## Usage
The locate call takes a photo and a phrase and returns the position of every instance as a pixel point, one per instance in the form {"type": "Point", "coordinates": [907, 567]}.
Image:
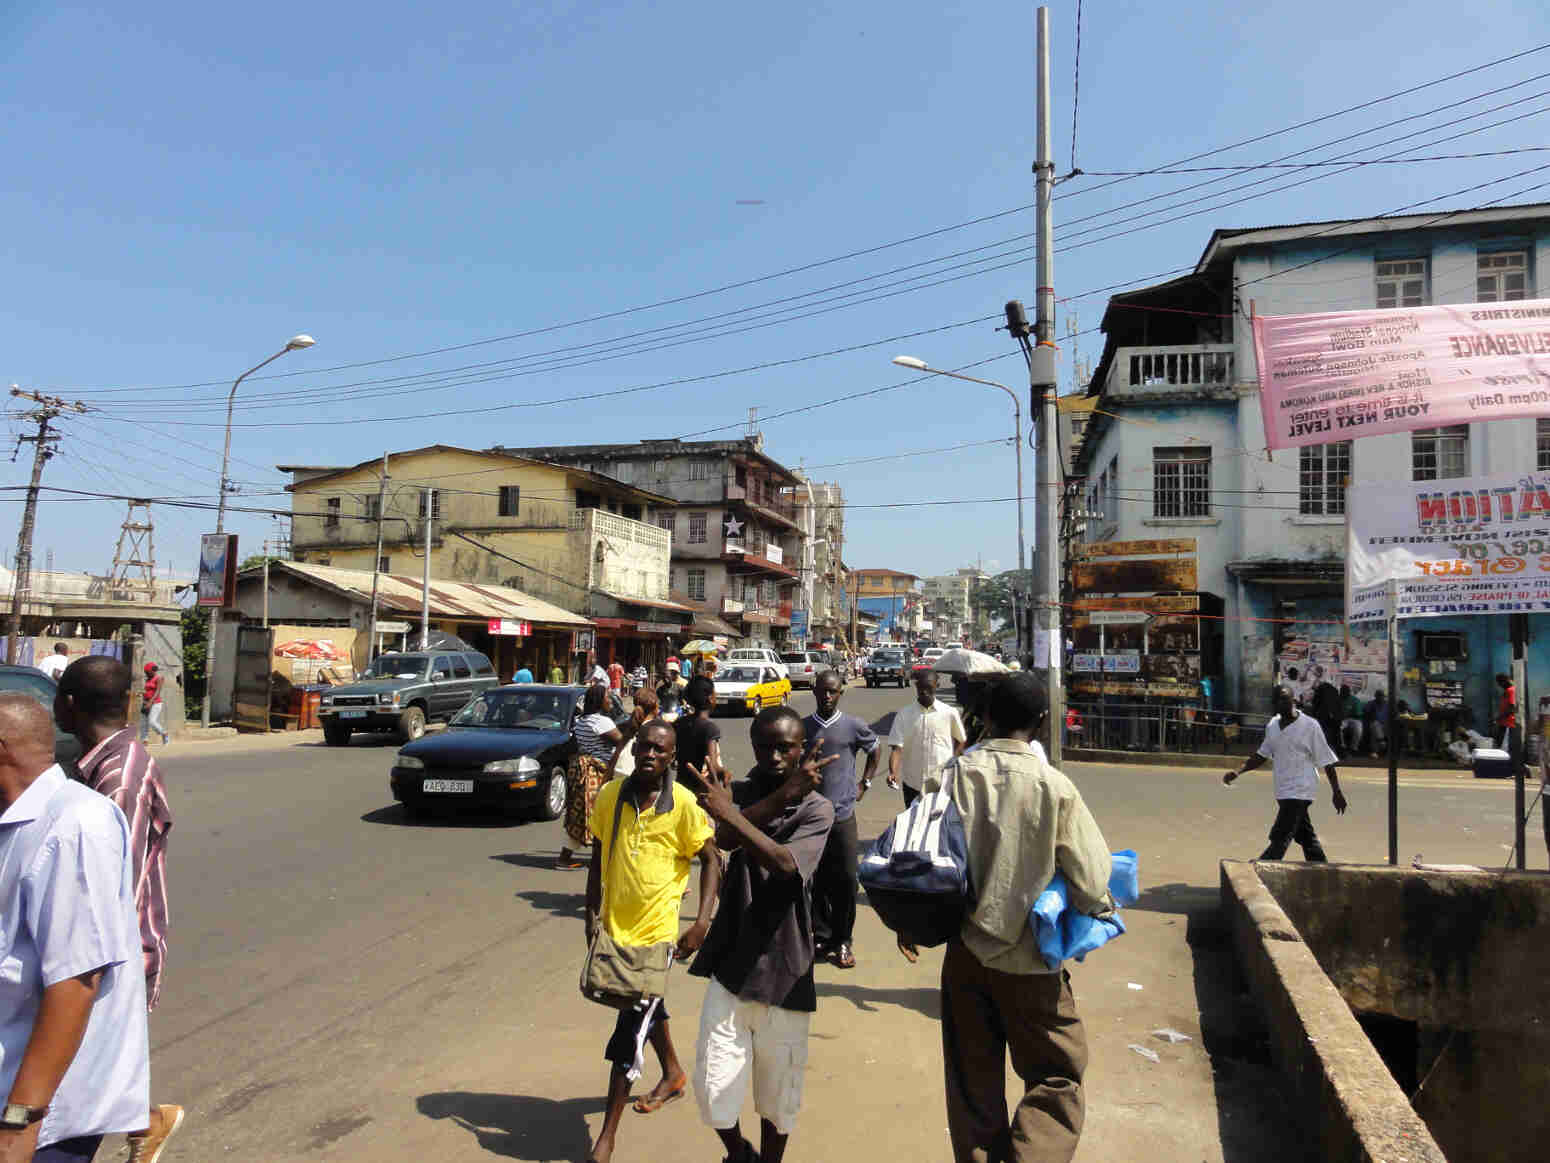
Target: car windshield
{"type": "Point", "coordinates": [516, 710]}
{"type": "Point", "coordinates": [739, 674]}
{"type": "Point", "coordinates": [397, 666]}
{"type": "Point", "coordinates": [794, 658]}
{"type": "Point", "coordinates": [39, 686]}
{"type": "Point", "coordinates": [886, 656]}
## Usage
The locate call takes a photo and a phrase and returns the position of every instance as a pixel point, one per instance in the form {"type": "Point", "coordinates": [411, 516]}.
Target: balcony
{"type": "Point", "coordinates": [764, 499]}
{"type": "Point", "coordinates": [767, 558]}
{"type": "Point", "coordinates": [1197, 370]}
{"type": "Point", "coordinates": [766, 613]}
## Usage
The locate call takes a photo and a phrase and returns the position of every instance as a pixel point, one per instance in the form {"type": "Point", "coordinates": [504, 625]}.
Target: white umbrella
{"type": "Point", "coordinates": [969, 663]}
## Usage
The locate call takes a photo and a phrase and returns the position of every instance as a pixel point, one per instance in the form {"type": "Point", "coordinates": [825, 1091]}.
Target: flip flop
{"type": "Point", "coordinates": [563, 863]}
{"type": "Point", "coordinates": [645, 1105]}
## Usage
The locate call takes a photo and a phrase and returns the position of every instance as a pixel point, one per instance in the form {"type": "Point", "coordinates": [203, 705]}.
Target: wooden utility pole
{"type": "Point", "coordinates": [42, 441]}
{"type": "Point", "coordinates": [376, 563]}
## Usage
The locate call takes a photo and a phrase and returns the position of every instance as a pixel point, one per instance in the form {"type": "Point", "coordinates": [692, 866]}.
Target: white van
{"type": "Point", "coordinates": [762, 655]}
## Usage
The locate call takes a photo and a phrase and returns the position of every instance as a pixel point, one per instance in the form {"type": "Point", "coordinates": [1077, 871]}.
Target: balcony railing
{"type": "Point", "coordinates": [1143, 371]}
{"type": "Point", "coordinates": [761, 495]}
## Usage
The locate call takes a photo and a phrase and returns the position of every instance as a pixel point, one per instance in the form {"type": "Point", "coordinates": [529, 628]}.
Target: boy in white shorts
{"type": "Point", "coordinates": [759, 952]}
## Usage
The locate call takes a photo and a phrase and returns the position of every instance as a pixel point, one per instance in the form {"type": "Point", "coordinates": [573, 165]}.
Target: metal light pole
{"type": "Point", "coordinates": [295, 343]}
{"type": "Point", "coordinates": [429, 496]}
{"type": "Point", "coordinates": [920, 365]}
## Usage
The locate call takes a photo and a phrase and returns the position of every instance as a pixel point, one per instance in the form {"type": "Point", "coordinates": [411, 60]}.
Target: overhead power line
{"type": "Point", "coordinates": [1397, 161]}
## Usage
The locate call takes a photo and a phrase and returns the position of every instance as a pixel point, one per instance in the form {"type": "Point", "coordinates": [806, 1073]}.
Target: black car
{"type": "Point", "coordinates": [403, 692]}
{"type": "Point", "coordinates": [886, 666]}
{"type": "Point", "coordinates": [507, 749]}
{"type": "Point", "coordinates": [29, 680]}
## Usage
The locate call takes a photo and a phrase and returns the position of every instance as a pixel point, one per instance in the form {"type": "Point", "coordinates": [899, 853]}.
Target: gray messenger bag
{"type": "Point", "coordinates": [617, 975]}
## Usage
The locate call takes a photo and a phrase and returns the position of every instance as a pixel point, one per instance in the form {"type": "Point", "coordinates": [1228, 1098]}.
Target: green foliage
{"type": "Point", "coordinates": [992, 598]}
{"type": "Point", "coordinates": [256, 559]}
{"type": "Point", "coordinates": [196, 637]}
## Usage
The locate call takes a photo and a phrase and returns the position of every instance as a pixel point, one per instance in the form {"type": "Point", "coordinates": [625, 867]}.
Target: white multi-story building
{"type": "Point", "coordinates": [1178, 448]}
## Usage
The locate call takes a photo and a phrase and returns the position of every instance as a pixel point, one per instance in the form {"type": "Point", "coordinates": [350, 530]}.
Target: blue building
{"type": "Point", "coordinates": [1181, 453]}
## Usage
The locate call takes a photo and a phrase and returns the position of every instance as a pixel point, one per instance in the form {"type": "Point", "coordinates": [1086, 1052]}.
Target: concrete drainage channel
{"type": "Point", "coordinates": [1406, 1009]}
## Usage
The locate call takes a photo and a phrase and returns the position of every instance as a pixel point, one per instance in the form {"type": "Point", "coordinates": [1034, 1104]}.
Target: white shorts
{"type": "Point", "coordinates": [743, 1038]}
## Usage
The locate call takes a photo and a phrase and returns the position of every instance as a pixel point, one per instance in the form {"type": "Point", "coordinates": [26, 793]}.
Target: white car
{"type": "Point", "coordinates": [757, 655]}
{"type": "Point", "coordinates": [955, 646]}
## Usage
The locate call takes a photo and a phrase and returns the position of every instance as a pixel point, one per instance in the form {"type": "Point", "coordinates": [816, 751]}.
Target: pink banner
{"type": "Point", "coordinates": [1340, 375]}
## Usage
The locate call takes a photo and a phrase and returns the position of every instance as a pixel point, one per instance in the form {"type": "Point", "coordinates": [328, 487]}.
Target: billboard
{"type": "Point", "coordinates": [217, 569]}
{"type": "Point", "coordinates": [1337, 375]}
{"type": "Point", "coordinates": [1478, 545]}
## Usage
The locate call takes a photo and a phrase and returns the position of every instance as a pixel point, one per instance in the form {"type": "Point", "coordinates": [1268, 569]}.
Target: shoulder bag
{"type": "Point", "coordinates": [614, 974]}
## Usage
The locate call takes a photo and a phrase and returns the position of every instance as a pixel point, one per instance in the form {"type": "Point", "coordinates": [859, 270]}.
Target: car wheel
{"type": "Point", "coordinates": [336, 734]}
{"type": "Point", "coordinates": [411, 724]}
{"type": "Point", "coordinates": [554, 795]}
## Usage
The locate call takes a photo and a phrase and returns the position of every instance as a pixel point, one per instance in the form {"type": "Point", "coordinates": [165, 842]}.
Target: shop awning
{"type": "Point", "coordinates": [654, 603]}
{"type": "Point", "coordinates": [708, 626]}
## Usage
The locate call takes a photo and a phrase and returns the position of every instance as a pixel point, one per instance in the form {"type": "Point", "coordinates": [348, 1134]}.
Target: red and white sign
{"type": "Point", "coordinates": [1339, 375]}
{"type": "Point", "coordinates": [506, 628]}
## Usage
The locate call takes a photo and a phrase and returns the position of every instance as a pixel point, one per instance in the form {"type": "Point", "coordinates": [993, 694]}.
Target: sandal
{"type": "Point", "coordinates": [645, 1104]}
{"type": "Point", "coordinates": [565, 863]}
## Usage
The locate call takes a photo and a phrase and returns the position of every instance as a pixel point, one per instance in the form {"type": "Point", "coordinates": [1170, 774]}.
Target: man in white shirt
{"type": "Point", "coordinates": [925, 735]}
{"type": "Point", "coordinates": [74, 1052]}
{"type": "Point", "coordinates": [1296, 747]}
{"type": "Point", "coordinates": [54, 665]}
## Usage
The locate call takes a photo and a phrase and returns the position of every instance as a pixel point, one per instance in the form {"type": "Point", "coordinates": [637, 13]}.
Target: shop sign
{"type": "Point", "coordinates": [1117, 618]}
{"type": "Point", "coordinates": [506, 628]}
{"type": "Point", "coordinates": [584, 641]}
{"type": "Point", "coordinates": [659, 627]}
{"type": "Point", "coordinates": [392, 627]}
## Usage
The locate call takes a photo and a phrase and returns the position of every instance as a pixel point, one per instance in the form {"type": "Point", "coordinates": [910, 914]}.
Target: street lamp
{"type": "Point", "coordinates": [920, 365]}
{"type": "Point", "coordinates": [294, 343]}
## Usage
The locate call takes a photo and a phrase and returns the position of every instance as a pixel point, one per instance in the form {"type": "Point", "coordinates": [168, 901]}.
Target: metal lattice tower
{"type": "Point", "coordinates": [134, 560]}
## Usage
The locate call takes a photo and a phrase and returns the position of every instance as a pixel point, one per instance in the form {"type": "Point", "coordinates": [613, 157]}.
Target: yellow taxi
{"type": "Point", "coordinates": [751, 686]}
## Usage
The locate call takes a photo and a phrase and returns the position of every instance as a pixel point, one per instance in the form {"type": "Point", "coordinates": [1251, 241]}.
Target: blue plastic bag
{"type": "Point", "coordinates": [1062, 933]}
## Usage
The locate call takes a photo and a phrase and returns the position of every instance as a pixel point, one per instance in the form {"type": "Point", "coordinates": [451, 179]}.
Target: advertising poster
{"type": "Point", "coordinates": [217, 569]}
{"type": "Point", "coordinates": [1478, 545]}
{"type": "Point", "coordinates": [1338, 375]}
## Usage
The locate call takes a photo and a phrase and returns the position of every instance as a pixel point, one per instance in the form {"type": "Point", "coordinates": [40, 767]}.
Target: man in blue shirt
{"type": "Point", "coordinates": [834, 884]}
{"type": "Point", "coordinates": [523, 673]}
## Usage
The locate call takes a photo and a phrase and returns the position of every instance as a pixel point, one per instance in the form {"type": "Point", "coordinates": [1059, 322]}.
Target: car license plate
{"type": "Point", "coordinates": [352, 714]}
{"type": "Point", "coordinates": [465, 786]}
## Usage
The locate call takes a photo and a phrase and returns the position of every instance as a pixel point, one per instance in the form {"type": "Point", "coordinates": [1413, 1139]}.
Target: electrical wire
{"type": "Point", "coordinates": [1438, 157]}
{"type": "Point", "coordinates": [1076, 86]}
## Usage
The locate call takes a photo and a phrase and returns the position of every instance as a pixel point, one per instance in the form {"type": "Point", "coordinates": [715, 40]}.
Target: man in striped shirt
{"type": "Point", "coordinates": [92, 704]}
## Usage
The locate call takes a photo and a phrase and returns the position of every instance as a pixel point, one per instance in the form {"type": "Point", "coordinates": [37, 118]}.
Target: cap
{"type": "Point", "coordinates": [150, 668]}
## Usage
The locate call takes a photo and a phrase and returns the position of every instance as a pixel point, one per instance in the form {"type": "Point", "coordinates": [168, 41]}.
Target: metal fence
{"type": "Point", "coordinates": [1146, 727]}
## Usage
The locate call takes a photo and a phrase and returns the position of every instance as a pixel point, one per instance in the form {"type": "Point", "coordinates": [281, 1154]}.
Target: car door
{"type": "Point", "coordinates": [444, 698]}
{"type": "Point", "coordinates": [484, 672]}
{"type": "Point", "coordinates": [462, 681]}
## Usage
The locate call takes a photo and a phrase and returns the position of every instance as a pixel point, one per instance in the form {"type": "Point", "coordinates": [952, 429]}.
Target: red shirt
{"type": "Point", "coordinates": [153, 690]}
{"type": "Point", "coordinates": [1507, 714]}
{"type": "Point", "coordinates": [615, 675]}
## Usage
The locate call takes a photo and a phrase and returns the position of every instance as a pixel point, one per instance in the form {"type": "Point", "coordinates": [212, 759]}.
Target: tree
{"type": "Point", "coordinates": [196, 637]}
{"type": "Point", "coordinates": [992, 596]}
{"type": "Point", "coordinates": [257, 559]}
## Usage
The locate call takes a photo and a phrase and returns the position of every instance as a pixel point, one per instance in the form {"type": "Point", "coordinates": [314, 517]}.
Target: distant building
{"type": "Point", "coordinates": [821, 509]}
{"type": "Point", "coordinates": [949, 601]}
{"type": "Point", "coordinates": [890, 595]}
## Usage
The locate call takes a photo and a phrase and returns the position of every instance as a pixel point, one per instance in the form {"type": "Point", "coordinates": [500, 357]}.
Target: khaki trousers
{"type": "Point", "coordinates": [985, 1014]}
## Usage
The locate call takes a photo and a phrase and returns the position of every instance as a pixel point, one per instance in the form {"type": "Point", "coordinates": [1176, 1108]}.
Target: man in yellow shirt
{"type": "Point", "coordinates": [636, 893]}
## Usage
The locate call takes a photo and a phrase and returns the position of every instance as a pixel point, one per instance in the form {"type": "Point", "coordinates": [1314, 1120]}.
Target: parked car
{"type": "Point", "coordinates": [761, 655]}
{"type": "Point", "coordinates": [886, 666]}
{"type": "Point", "coordinates": [29, 680]}
{"type": "Point", "coordinates": [403, 692]}
{"type": "Point", "coordinates": [804, 666]}
{"type": "Point", "coordinates": [751, 687]}
{"type": "Point", "coordinates": [506, 749]}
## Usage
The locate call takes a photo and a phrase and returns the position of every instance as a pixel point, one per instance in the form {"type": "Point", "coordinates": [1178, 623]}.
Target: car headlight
{"type": "Point", "coordinates": [384, 699]}
{"type": "Point", "coordinates": [328, 700]}
{"type": "Point", "coordinates": [411, 762]}
{"type": "Point", "coordinates": [527, 765]}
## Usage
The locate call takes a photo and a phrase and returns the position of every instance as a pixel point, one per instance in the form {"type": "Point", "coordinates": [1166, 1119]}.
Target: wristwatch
{"type": "Point", "coordinates": [16, 1117]}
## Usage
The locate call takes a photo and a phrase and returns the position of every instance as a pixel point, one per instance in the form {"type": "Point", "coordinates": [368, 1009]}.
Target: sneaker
{"type": "Point", "coordinates": [165, 1121]}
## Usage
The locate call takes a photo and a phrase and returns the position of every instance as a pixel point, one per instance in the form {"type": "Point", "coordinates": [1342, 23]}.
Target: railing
{"type": "Point", "coordinates": [731, 606]}
{"type": "Point", "coordinates": [1144, 370]}
{"type": "Point", "coordinates": [1138, 727]}
{"type": "Point", "coordinates": [762, 495]}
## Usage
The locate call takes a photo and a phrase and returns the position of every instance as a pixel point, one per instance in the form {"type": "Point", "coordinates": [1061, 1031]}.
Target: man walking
{"type": "Point", "coordinates": [1295, 744]}
{"type": "Point", "coordinates": [93, 705]}
{"type": "Point", "coordinates": [74, 1056]}
{"type": "Point", "coordinates": [54, 665]}
{"type": "Point", "coordinates": [1507, 716]}
{"type": "Point", "coordinates": [151, 707]}
{"type": "Point", "coordinates": [616, 676]}
{"type": "Point", "coordinates": [1023, 821]}
{"type": "Point", "coordinates": [925, 735]}
{"type": "Point", "coordinates": [759, 953]}
{"type": "Point", "coordinates": [834, 886]}
{"type": "Point", "coordinates": [523, 673]}
{"type": "Point", "coordinates": [638, 877]}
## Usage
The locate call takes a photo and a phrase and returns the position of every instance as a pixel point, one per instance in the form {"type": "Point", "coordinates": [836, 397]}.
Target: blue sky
{"type": "Point", "coordinates": [189, 185]}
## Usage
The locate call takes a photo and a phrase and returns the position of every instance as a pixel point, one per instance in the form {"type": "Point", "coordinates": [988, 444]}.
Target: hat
{"type": "Point", "coordinates": [1014, 665]}
{"type": "Point", "coordinates": [150, 668]}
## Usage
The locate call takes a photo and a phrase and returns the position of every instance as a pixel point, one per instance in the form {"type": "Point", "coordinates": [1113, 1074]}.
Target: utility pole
{"type": "Point", "coordinates": [376, 564]}
{"type": "Point", "coordinates": [1041, 376]}
{"type": "Point", "coordinates": [266, 585]}
{"type": "Point", "coordinates": [42, 441]}
{"type": "Point", "coordinates": [425, 592]}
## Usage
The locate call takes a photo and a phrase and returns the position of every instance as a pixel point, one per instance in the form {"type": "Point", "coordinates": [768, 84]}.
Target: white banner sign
{"type": "Point", "coordinates": [1471, 546]}
{"type": "Point", "coordinates": [1343, 374]}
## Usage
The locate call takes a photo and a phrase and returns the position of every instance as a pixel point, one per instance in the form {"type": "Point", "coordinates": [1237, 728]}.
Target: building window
{"type": "Point", "coordinates": [331, 513]}
{"type": "Point", "coordinates": [1439, 454]}
{"type": "Point", "coordinates": [1402, 283]}
{"type": "Point", "coordinates": [624, 472]}
{"type": "Point", "coordinates": [633, 512]}
{"type": "Point", "coordinates": [696, 528]}
{"type": "Point", "coordinates": [1542, 445]}
{"type": "Point", "coordinates": [669, 522]}
{"type": "Point", "coordinates": [371, 508]}
{"type": "Point", "coordinates": [659, 470]}
{"type": "Point", "coordinates": [696, 585]}
{"type": "Point", "coordinates": [1322, 473]}
{"type": "Point", "coordinates": [586, 499]}
{"type": "Point", "coordinates": [1502, 277]}
{"type": "Point", "coordinates": [699, 470]}
{"type": "Point", "coordinates": [384, 565]}
{"type": "Point", "coordinates": [1181, 482]}
{"type": "Point", "coordinates": [511, 500]}
{"type": "Point", "coordinates": [435, 496]}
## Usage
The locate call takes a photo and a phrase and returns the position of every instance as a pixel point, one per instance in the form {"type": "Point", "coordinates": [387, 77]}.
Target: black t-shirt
{"type": "Point", "coordinates": [695, 735]}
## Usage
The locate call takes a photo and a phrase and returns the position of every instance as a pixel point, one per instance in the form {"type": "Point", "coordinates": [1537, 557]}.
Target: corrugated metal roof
{"type": "Point", "coordinates": [448, 599]}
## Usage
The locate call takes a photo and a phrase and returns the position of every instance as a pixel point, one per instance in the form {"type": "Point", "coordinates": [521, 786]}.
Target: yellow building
{"type": "Point", "coordinates": [573, 538]}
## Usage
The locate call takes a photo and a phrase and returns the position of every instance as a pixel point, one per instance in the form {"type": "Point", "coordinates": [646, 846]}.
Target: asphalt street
{"type": "Point", "coordinates": [346, 983]}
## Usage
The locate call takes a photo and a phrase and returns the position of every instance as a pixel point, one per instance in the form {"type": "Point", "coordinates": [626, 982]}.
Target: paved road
{"type": "Point", "coordinates": [344, 983]}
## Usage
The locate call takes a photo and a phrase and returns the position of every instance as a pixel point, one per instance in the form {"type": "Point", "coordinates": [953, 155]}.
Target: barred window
{"type": "Point", "coordinates": [1402, 283]}
{"type": "Point", "coordinates": [331, 512]}
{"type": "Point", "coordinates": [371, 507]}
{"type": "Point", "coordinates": [1322, 473]}
{"type": "Point", "coordinates": [669, 522]}
{"type": "Point", "coordinates": [1438, 454]}
{"type": "Point", "coordinates": [1181, 482]}
{"type": "Point", "coordinates": [696, 528]}
{"type": "Point", "coordinates": [510, 500]}
{"type": "Point", "coordinates": [699, 470]}
{"type": "Point", "coordinates": [1501, 277]}
{"type": "Point", "coordinates": [435, 497]}
{"type": "Point", "coordinates": [696, 586]}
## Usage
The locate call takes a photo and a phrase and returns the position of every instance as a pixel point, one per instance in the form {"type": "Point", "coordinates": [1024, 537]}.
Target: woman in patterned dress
{"type": "Point", "coordinates": [598, 740]}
